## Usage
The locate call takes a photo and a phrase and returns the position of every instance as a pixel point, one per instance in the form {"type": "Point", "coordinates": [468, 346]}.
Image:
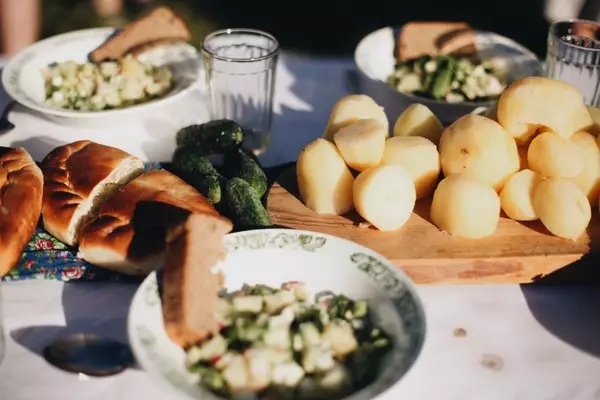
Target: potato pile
{"type": "Point", "coordinates": [389, 174]}
{"type": "Point", "coordinates": [534, 156]}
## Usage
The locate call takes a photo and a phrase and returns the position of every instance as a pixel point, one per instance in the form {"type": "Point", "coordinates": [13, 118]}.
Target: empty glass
{"type": "Point", "coordinates": [574, 56]}
{"type": "Point", "coordinates": [240, 74]}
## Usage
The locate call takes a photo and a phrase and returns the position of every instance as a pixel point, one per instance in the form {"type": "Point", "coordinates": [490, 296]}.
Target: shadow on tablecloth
{"type": "Point", "coordinates": [100, 308]}
{"type": "Point", "coordinates": [569, 312]}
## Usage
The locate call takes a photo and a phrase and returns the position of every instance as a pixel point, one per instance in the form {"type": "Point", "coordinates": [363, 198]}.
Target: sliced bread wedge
{"type": "Point", "coordinates": [128, 235]}
{"type": "Point", "coordinates": [159, 26]}
{"type": "Point", "coordinates": [191, 280]}
{"type": "Point", "coordinates": [434, 38]}
{"type": "Point", "coordinates": [78, 177]}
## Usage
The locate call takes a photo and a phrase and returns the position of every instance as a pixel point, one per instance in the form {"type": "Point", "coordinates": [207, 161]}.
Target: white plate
{"type": "Point", "coordinates": [22, 76]}
{"type": "Point", "coordinates": [274, 256]}
{"type": "Point", "coordinates": [375, 59]}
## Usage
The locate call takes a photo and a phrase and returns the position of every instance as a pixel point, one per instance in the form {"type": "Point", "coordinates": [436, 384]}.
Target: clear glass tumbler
{"type": "Point", "coordinates": [574, 56]}
{"type": "Point", "coordinates": [240, 69]}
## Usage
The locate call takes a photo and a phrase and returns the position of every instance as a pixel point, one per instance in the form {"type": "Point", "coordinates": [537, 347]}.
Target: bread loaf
{"type": "Point", "coordinates": [78, 177]}
{"type": "Point", "coordinates": [128, 235]}
{"type": "Point", "coordinates": [21, 188]}
{"type": "Point", "coordinates": [191, 282]}
{"type": "Point", "coordinates": [159, 26]}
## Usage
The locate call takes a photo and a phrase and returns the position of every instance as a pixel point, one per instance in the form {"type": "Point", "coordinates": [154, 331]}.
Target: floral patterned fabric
{"type": "Point", "coordinates": [45, 257]}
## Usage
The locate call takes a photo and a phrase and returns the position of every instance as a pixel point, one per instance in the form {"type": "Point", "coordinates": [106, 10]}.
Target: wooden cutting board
{"type": "Point", "coordinates": [515, 253]}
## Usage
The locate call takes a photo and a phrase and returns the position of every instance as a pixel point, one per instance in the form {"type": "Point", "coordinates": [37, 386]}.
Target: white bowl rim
{"type": "Point", "coordinates": [17, 60]}
{"type": "Point", "coordinates": [410, 287]}
{"type": "Point", "coordinates": [415, 98]}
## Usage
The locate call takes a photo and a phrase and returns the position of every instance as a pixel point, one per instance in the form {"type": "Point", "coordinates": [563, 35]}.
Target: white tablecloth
{"type": "Point", "coordinates": [521, 343]}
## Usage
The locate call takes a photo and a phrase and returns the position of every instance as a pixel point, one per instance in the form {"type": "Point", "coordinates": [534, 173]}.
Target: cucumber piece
{"type": "Point", "coordinates": [238, 164]}
{"type": "Point", "coordinates": [215, 347]}
{"type": "Point", "coordinates": [248, 304]}
{"type": "Point", "coordinates": [213, 379]}
{"type": "Point", "coordinates": [210, 185]}
{"type": "Point", "coordinates": [190, 160]}
{"type": "Point", "coordinates": [442, 84]}
{"type": "Point", "coordinates": [244, 205]}
{"type": "Point", "coordinates": [310, 334]}
{"type": "Point", "coordinates": [214, 137]}
{"type": "Point", "coordinates": [360, 309]}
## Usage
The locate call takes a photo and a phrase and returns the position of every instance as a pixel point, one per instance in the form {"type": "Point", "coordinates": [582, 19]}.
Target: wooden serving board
{"type": "Point", "coordinates": [515, 253]}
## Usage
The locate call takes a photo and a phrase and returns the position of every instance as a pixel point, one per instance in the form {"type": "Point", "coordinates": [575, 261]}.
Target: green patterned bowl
{"type": "Point", "coordinates": [273, 256]}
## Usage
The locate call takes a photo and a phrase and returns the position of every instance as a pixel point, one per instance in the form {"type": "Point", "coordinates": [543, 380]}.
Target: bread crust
{"type": "Point", "coordinates": [160, 25]}
{"type": "Point", "coordinates": [128, 235]}
{"type": "Point", "coordinates": [21, 189]}
{"type": "Point", "coordinates": [71, 172]}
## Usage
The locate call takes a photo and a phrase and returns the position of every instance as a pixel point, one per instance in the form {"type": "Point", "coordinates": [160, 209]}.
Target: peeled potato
{"type": "Point", "coordinates": [352, 108]}
{"type": "Point", "coordinates": [361, 144]}
{"type": "Point", "coordinates": [535, 102]}
{"type": "Point", "coordinates": [595, 115]}
{"type": "Point", "coordinates": [516, 198]}
{"type": "Point", "coordinates": [562, 207]}
{"type": "Point", "coordinates": [465, 206]}
{"type": "Point", "coordinates": [589, 178]}
{"type": "Point", "coordinates": [385, 196]}
{"type": "Point", "coordinates": [419, 157]}
{"type": "Point", "coordinates": [522, 150]}
{"type": "Point", "coordinates": [553, 156]}
{"type": "Point", "coordinates": [418, 120]}
{"type": "Point", "coordinates": [324, 180]}
{"type": "Point", "coordinates": [481, 147]}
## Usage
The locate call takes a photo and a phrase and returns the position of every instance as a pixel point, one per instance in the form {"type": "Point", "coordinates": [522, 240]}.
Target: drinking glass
{"type": "Point", "coordinates": [240, 75]}
{"type": "Point", "coordinates": [574, 56]}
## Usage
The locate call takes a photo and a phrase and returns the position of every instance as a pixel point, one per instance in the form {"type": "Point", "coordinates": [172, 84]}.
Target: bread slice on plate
{"type": "Point", "coordinates": [157, 27]}
{"type": "Point", "coordinates": [78, 177]}
{"type": "Point", "coordinates": [191, 281]}
{"type": "Point", "coordinates": [129, 233]}
{"type": "Point", "coordinates": [21, 189]}
{"type": "Point", "coordinates": [434, 38]}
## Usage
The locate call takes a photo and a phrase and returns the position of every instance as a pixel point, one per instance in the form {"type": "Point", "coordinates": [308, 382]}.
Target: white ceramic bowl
{"type": "Point", "coordinates": [375, 59]}
{"type": "Point", "coordinates": [274, 256]}
{"type": "Point", "coordinates": [22, 77]}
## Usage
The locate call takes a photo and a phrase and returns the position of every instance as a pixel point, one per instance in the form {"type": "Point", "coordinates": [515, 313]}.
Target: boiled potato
{"type": "Point", "coordinates": [481, 147]}
{"type": "Point", "coordinates": [522, 150]}
{"type": "Point", "coordinates": [516, 198]}
{"type": "Point", "coordinates": [589, 178]}
{"type": "Point", "coordinates": [465, 206]}
{"type": "Point", "coordinates": [595, 115]}
{"type": "Point", "coordinates": [385, 196]}
{"type": "Point", "coordinates": [535, 102]}
{"type": "Point", "coordinates": [352, 108]}
{"type": "Point", "coordinates": [418, 120]}
{"type": "Point", "coordinates": [562, 207]}
{"type": "Point", "coordinates": [419, 157]}
{"type": "Point", "coordinates": [553, 156]}
{"type": "Point", "coordinates": [324, 180]}
{"type": "Point", "coordinates": [361, 143]}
